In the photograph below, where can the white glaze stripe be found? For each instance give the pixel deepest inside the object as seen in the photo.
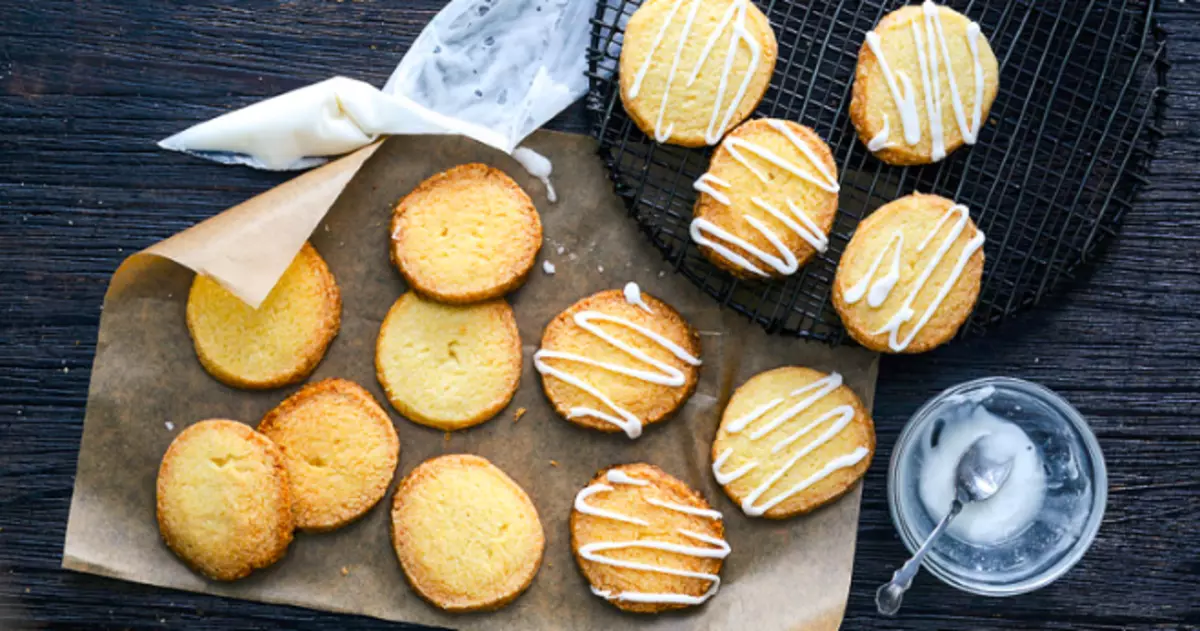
(735, 15)
(929, 42)
(841, 417)
(905, 312)
(716, 548)
(880, 289)
(663, 373)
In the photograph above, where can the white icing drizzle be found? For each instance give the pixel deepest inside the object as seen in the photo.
(715, 237)
(906, 313)
(539, 166)
(633, 295)
(880, 289)
(841, 417)
(662, 374)
(715, 548)
(734, 16)
(707, 183)
(929, 44)
(880, 141)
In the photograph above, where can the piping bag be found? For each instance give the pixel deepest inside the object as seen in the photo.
(492, 70)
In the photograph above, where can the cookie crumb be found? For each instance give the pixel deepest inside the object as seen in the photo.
(447, 436)
(518, 414)
(345, 571)
(554, 463)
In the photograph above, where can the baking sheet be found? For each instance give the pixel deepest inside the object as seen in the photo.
(147, 386)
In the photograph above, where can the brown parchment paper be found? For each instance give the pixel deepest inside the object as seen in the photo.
(793, 574)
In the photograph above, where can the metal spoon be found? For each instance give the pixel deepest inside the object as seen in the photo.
(980, 473)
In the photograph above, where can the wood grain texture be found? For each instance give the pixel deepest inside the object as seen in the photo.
(87, 87)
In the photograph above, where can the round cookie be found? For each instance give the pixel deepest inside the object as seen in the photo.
(279, 343)
(678, 82)
(645, 541)
(467, 536)
(223, 502)
(617, 361)
(790, 440)
(340, 450)
(767, 201)
(925, 82)
(466, 235)
(447, 366)
(910, 276)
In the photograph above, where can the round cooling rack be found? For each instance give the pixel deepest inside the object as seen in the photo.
(1058, 161)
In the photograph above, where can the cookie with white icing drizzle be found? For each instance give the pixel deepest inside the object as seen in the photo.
(767, 201)
(618, 360)
(791, 440)
(646, 541)
(924, 85)
(910, 276)
(690, 70)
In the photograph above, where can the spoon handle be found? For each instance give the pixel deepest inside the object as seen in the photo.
(891, 594)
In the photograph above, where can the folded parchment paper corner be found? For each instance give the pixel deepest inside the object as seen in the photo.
(782, 575)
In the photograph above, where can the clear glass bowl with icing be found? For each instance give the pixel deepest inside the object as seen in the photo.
(1061, 530)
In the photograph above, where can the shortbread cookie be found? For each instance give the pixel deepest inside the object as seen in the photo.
(790, 440)
(925, 83)
(279, 343)
(448, 366)
(691, 70)
(466, 235)
(467, 536)
(910, 276)
(340, 449)
(768, 199)
(224, 506)
(645, 541)
(616, 361)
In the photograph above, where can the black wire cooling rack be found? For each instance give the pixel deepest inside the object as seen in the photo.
(1059, 160)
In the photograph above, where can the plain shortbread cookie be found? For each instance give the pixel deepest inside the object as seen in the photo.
(467, 536)
(340, 449)
(223, 500)
(277, 344)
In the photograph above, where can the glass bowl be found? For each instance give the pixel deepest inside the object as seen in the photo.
(1070, 515)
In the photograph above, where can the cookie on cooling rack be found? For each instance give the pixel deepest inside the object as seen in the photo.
(767, 201)
(617, 361)
(448, 366)
(279, 343)
(466, 235)
(910, 276)
(340, 449)
(692, 70)
(791, 439)
(223, 501)
(467, 536)
(925, 83)
(638, 514)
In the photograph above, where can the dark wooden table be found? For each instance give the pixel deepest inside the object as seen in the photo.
(86, 87)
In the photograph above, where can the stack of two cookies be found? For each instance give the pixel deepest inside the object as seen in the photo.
(229, 497)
